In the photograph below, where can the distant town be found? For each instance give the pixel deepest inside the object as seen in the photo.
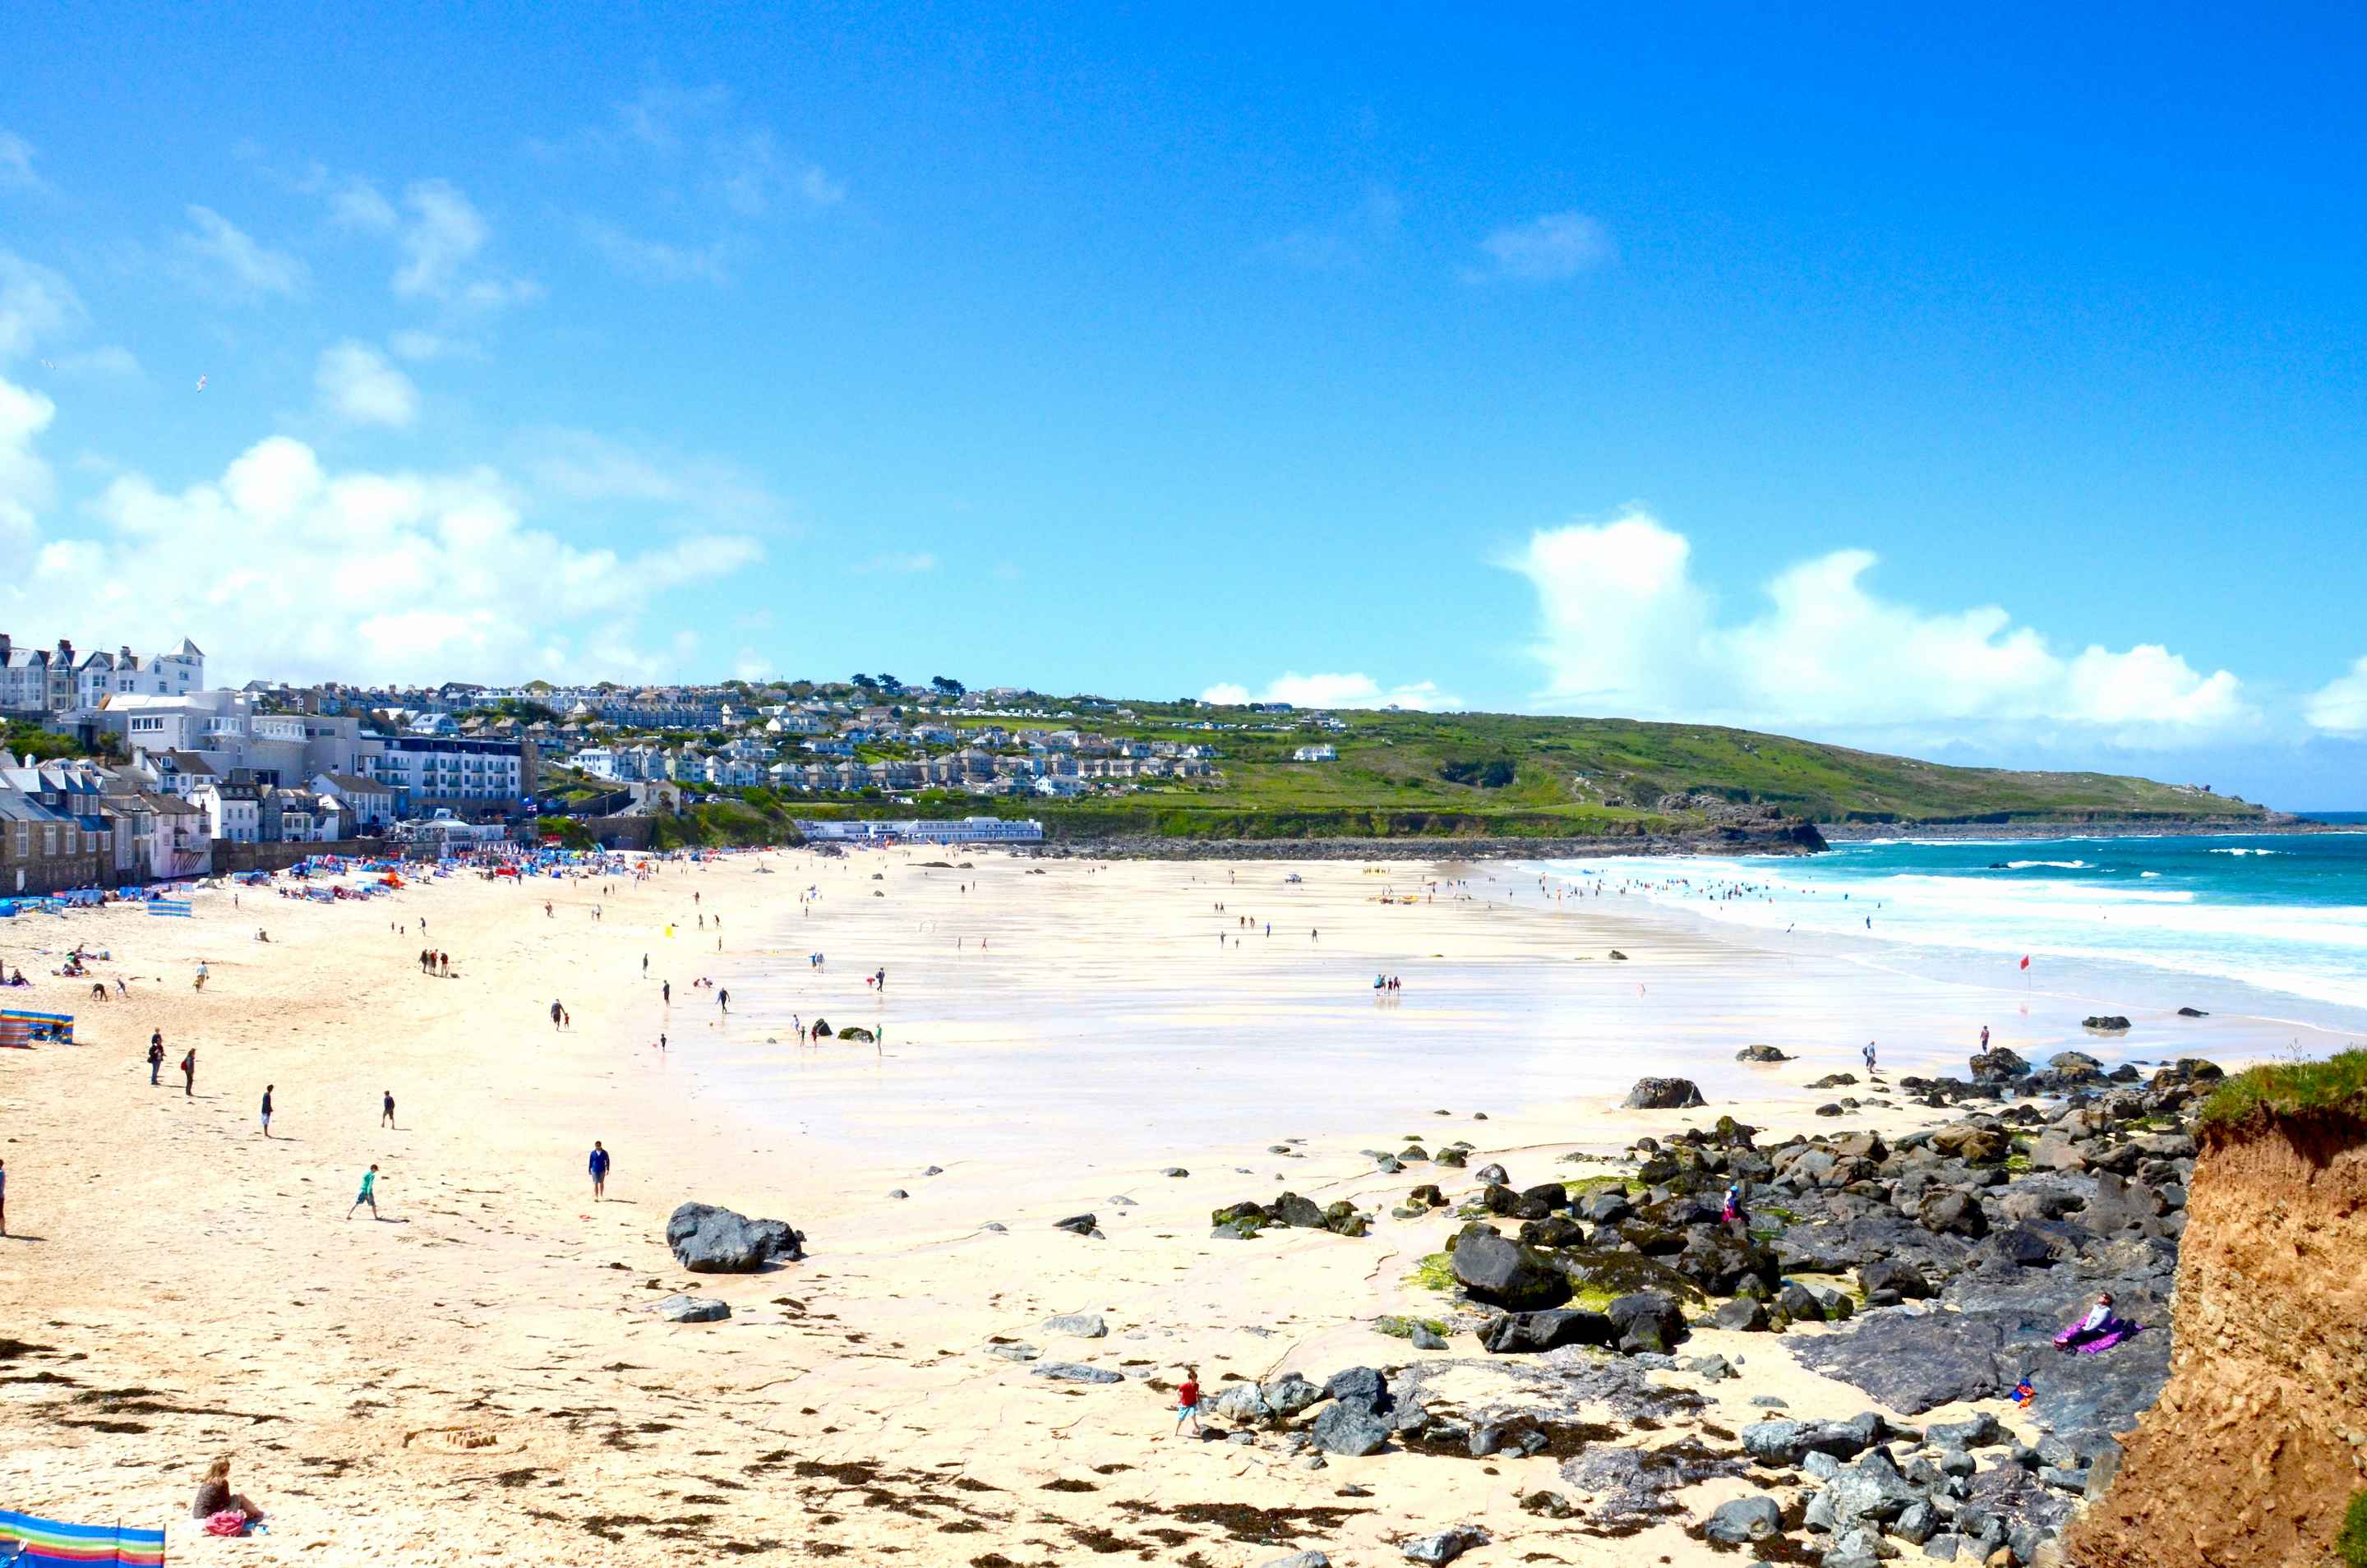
(123, 767)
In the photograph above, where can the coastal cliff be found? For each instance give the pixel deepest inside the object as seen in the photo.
(2259, 1439)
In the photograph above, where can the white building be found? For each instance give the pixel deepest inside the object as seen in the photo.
(55, 681)
(234, 811)
(1315, 754)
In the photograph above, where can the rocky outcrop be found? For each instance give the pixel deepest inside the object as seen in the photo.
(708, 1240)
(2256, 1445)
(1663, 1094)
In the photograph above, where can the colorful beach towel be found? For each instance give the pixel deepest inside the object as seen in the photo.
(2097, 1341)
(46, 1543)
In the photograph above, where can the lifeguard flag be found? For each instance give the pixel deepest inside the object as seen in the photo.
(2025, 961)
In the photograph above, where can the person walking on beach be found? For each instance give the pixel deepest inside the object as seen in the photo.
(267, 1109)
(557, 1012)
(369, 1194)
(723, 998)
(665, 992)
(4, 1197)
(386, 1116)
(201, 975)
(599, 1171)
(156, 1055)
(1869, 1056)
(189, 1074)
(645, 966)
(1187, 1402)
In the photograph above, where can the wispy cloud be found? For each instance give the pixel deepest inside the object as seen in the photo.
(900, 561)
(36, 304)
(440, 238)
(225, 261)
(754, 175)
(356, 385)
(710, 263)
(16, 165)
(1547, 249)
(1344, 241)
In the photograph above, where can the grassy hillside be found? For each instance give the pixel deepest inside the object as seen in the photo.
(1516, 777)
(1621, 765)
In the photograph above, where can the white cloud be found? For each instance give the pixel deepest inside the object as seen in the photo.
(355, 203)
(1625, 628)
(901, 561)
(2339, 708)
(1335, 691)
(1545, 250)
(35, 303)
(358, 385)
(224, 260)
(284, 567)
(654, 258)
(439, 240)
(24, 477)
(17, 164)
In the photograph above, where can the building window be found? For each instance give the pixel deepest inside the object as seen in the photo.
(48, 839)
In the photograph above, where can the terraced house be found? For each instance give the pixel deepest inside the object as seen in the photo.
(53, 835)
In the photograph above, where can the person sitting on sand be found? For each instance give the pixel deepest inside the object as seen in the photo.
(215, 1496)
(2097, 1332)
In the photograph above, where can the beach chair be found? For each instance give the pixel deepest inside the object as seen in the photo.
(46, 1543)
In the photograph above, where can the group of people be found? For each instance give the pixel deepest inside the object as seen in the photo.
(433, 962)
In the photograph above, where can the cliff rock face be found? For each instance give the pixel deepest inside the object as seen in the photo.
(2261, 1436)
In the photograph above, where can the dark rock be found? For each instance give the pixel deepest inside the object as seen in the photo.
(1349, 1429)
(1078, 1224)
(1175, 1170)
(1504, 1273)
(1835, 1080)
(1914, 1362)
(1072, 1371)
(1531, 1332)
(1360, 1386)
(1743, 1314)
(1761, 1054)
(1553, 1231)
(1426, 1196)
(1897, 1275)
(1445, 1546)
(1289, 1393)
(708, 1240)
(1552, 1194)
(1646, 1321)
(690, 1309)
(1719, 1261)
(1993, 1064)
(2104, 1020)
(1623, 1273)
(1493, 1174)
(1290, 1209)
(1796, 1304)
(2192, 1012)
(1952, 1212)
(1663, 1094)
(1744, 1520)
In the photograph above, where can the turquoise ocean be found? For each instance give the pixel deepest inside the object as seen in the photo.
(2272, 924)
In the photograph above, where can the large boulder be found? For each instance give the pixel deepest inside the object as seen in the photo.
(1948, 1210)
(1531, 1332)
(1993, 1066)
(1663, 1094)
(708, 1240)
(1506, 1274)
(1760, 1053)
(2113, 1021)
(1647, 1320)
(1350, 1429)
(1744, 1520)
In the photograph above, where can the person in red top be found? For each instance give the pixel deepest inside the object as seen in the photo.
(1187, 1400)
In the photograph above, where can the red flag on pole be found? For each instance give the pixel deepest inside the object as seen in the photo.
(2025, 961)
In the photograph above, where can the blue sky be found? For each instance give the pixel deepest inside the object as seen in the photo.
(1987, 390)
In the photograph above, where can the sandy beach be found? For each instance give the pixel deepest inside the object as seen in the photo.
(466, 1377)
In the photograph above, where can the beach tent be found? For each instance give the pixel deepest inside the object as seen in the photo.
(45, 1543)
